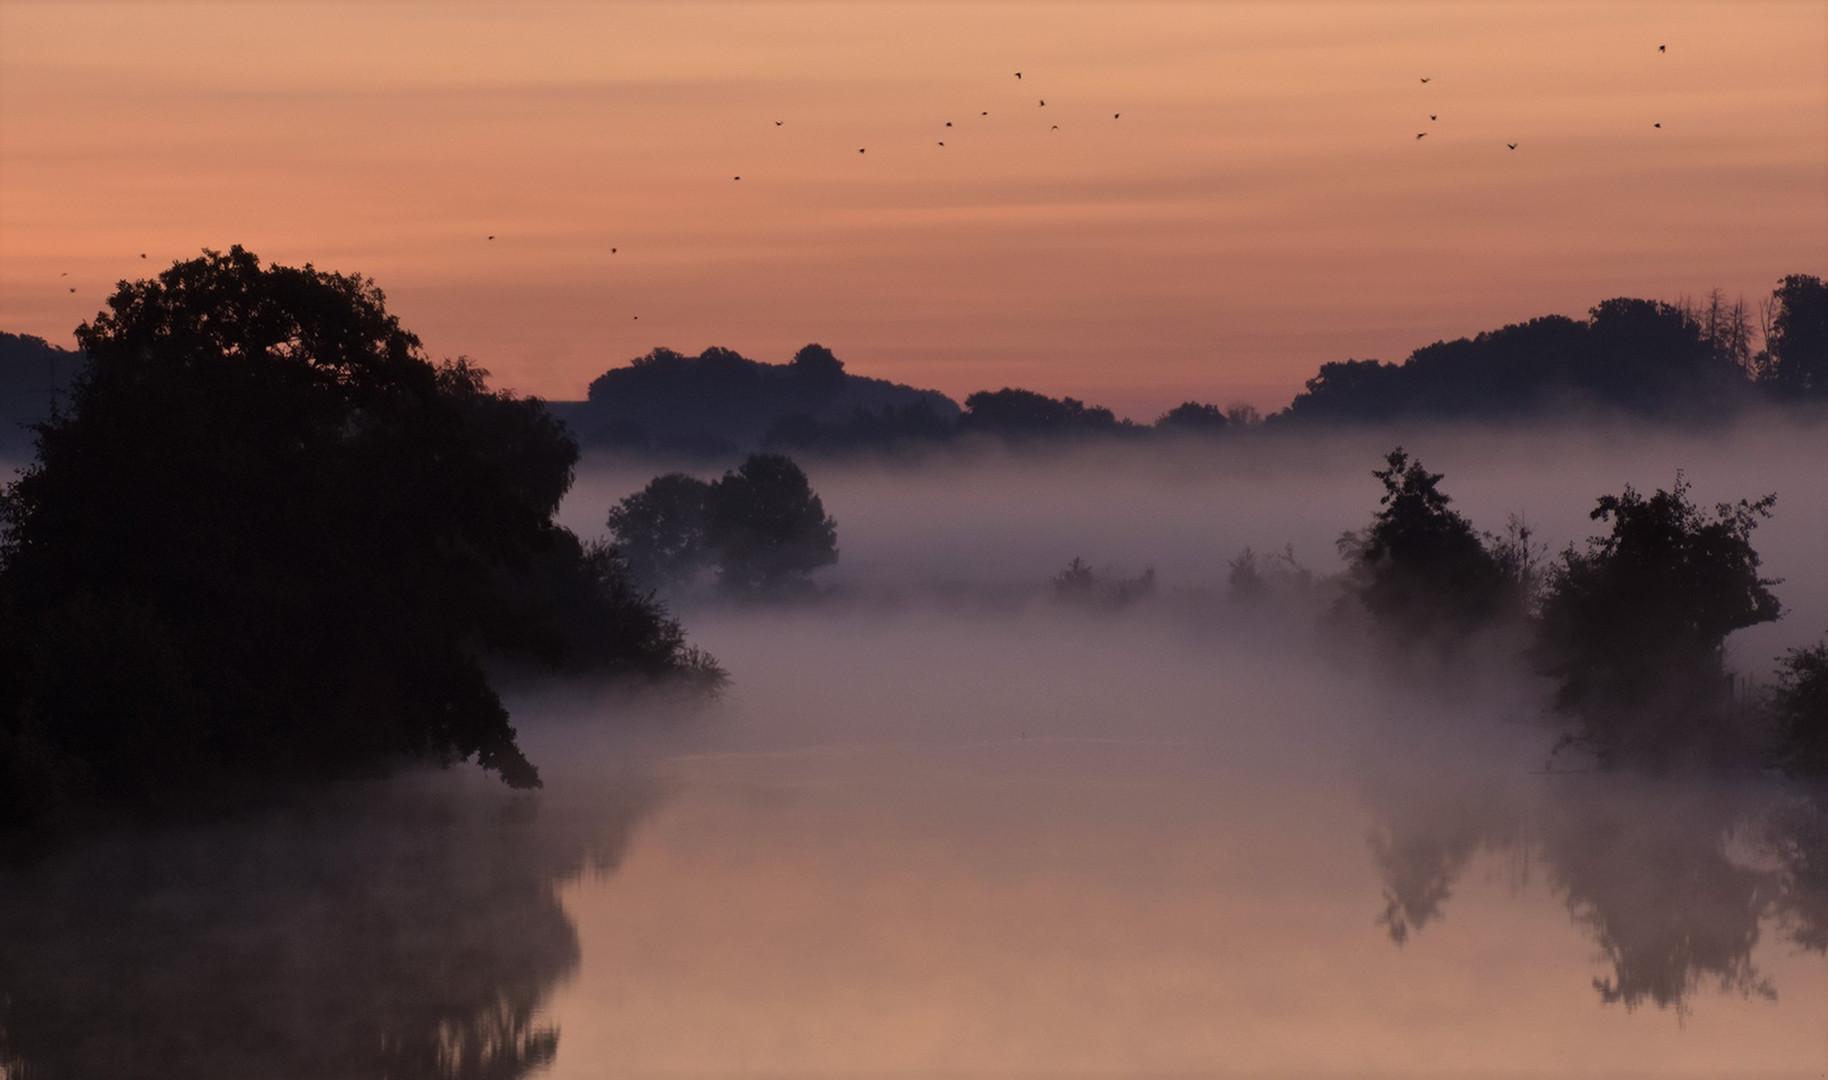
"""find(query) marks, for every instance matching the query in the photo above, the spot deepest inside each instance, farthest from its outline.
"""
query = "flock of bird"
(1042, 103)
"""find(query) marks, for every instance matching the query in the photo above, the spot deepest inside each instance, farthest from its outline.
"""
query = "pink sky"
(1261, 207)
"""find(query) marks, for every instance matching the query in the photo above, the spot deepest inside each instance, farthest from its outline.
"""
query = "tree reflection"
(405, 930)
(1675, 881)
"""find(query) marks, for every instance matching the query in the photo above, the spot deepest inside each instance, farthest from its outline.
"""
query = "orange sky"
(1261, 207)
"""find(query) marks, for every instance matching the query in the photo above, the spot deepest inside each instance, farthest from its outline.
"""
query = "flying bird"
(1512, 145)
(733, 178)
(142, 254)
(66, 273)
(612, 251)
(942, 142)
(778, 123)
(984, 114)
(1656, 125)
(72, 290)
(948, 123)
(1421, 134)
(1662, 48)
(491, 236)
(860, 149)
(1116, 115)
(1424, 78)
(1018, 74)
(1056, 127)
(1044, 101)
(1432, 116)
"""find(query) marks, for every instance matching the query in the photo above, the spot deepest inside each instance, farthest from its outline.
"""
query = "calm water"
(951, 830)
(1019, 844)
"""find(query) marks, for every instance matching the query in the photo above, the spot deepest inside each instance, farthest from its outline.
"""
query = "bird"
(1018, 74)
(1432, 116)
(1662, 48)
(66, 273)
(1116, 115)
(1656, 125)
(1424, 78)
(1421, 134)
(778, 123)
(948, 123)
(612, 251)
(861, 149)
(736, 178)
(942, 142)
(142, 254)
(1056, 127)
(1512, 145)
(491, 236)
(1044, 102)
(637, 318)
(984, 113)
(72, 290)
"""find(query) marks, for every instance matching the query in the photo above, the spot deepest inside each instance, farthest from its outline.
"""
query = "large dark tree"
(1633, 627)
(660, 530)
(269, 538)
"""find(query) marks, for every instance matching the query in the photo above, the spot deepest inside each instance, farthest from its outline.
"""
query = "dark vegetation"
(1682, 363)
(761, 525)
(266, 540)
(1631, 630)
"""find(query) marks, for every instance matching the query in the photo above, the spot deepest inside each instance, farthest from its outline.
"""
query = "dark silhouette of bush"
(1193, 418)
(768, 528)
(1632, 628)
(884, 429)
(1080, 585)
(268, 540)
(1795, 361)
(1800, 706)
(1420, 569)
(34, 375)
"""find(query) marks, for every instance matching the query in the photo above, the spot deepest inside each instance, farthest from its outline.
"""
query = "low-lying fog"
(942, 825)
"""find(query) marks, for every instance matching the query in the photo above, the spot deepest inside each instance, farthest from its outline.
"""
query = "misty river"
(942, 826)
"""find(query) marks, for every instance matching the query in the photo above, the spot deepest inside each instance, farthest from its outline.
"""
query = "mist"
(943, 822)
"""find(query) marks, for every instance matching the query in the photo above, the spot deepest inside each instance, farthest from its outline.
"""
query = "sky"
(1235, 193)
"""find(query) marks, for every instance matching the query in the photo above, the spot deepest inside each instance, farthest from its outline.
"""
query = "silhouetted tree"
(268, 538)
(1632, 628)
(1420, 569)
(768, 528)
(660, 530)
(817, 368)
(1191, 417)
(1801, 707)
(1795, 364)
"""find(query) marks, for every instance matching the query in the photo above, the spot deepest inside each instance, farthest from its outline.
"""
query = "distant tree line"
(1675, 362)
(267, 541)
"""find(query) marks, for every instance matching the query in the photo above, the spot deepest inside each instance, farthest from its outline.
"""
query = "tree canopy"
(268, 537)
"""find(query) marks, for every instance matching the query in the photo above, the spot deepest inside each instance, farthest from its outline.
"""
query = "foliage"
(1801, 707)
(1632, 628)
(768, 527)
(1012, 413)
(269, 539)
(660, 530)
(1795, 361)
(761, 525)
(1420, 569)
(1079, 584)
(1192, 417)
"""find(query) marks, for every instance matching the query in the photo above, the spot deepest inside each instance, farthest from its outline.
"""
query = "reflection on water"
(409, 929)
(1675, 881)
(1010, 847)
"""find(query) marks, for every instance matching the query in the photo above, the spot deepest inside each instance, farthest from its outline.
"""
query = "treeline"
(1682, 362)
(266, 541)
